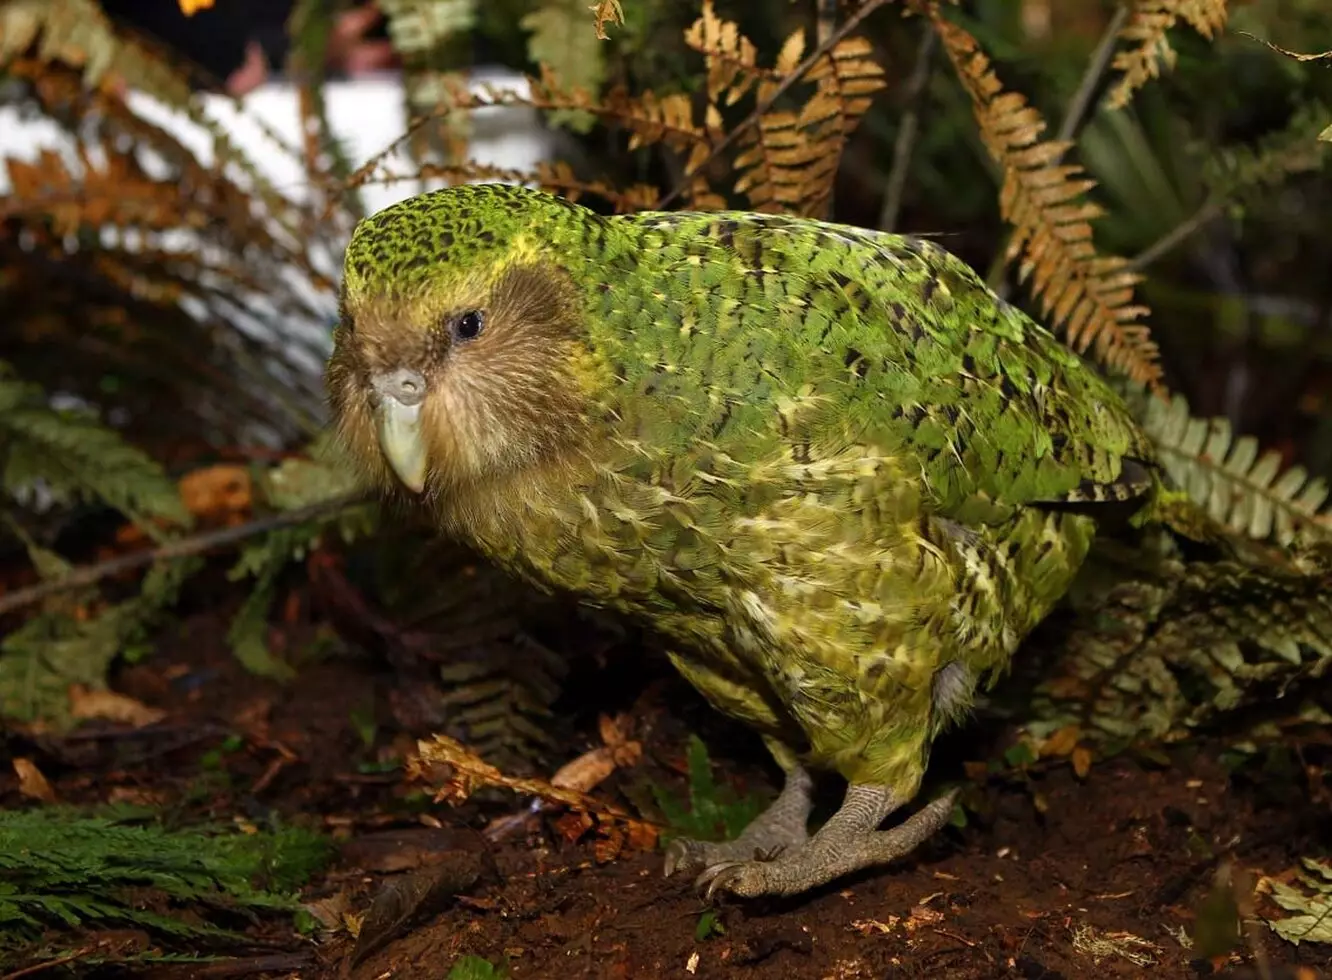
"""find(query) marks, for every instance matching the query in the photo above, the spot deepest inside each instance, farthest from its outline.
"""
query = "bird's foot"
(848, 842)
(780, 827)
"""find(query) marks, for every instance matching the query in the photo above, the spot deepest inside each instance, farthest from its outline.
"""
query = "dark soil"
(1132, 849)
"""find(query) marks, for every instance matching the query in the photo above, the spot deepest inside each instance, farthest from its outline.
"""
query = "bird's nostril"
(402, 384)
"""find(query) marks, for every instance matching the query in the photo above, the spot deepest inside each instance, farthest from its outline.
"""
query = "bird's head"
(460, 354)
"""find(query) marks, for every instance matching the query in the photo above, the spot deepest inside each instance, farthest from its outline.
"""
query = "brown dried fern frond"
(556, 177)
(133, 259)
(1148, 33)
(77, 33)
(789, 159)
(1089, 295)
(648, 118)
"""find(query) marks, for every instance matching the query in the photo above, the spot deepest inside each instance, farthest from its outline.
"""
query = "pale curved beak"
(399, 395)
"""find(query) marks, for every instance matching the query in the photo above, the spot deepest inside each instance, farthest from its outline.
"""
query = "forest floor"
(1055, 876)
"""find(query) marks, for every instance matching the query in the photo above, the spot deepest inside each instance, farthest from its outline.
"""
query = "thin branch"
(195, 544)
(905, 144)
(1091, 78)
(1211, 209)
(752, 119)
(1074, 116)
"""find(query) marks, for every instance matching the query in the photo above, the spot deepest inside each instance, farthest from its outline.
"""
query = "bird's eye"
(469, 325)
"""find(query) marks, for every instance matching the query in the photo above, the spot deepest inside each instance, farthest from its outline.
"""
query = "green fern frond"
(294, 483)
(53, 650)
(1236, 173)
(1238, 485)
(1305, 894)
(75, 457)
(60, 868)
(562, 40)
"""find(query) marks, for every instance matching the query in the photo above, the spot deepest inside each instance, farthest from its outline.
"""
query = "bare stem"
(1091, 78)
(195, 544)
(906, 133)
(800, 71)
(1185, 229)
(1074, 116)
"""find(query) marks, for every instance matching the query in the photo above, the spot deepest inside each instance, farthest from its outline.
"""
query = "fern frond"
(60, 868)
(73, 456)
(1237, 172)
(77, 33)
(649, 119)
(1240, 487)
(1161, 648)
(732, 59)
(180, 274)
(789, 160)
(295, 483)
(557, 177)
(1148, 33)
(1089, 295)
(53, 650)
(606, 12)
(419, 27)
(561, 41)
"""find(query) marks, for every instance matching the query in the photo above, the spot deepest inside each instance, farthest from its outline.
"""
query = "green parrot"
(836, 474)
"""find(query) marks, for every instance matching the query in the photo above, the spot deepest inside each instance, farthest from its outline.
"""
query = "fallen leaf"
(223, 492)
(1061, 742)
(87, 703)
(1082, 760)
(32, 783)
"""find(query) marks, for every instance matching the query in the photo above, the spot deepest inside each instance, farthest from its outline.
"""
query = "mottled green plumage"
(837, 473)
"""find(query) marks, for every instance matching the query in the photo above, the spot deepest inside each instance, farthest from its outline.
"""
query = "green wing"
(876, 339)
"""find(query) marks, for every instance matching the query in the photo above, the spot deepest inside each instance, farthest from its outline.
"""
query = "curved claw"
(723, 876)
(678, 856)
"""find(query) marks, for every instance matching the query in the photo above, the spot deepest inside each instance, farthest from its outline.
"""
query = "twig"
(195, 544)
(825, 25)
(954, 936)
(28, 971)
(906, 135)
(1091, 78)
(1074, 116)
(830, 42)
(1210, 209)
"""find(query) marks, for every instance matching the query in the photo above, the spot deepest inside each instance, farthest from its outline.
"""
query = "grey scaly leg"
(780, 826)
(848, 842)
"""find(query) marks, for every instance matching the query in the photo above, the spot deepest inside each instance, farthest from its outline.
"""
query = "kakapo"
(834, 471)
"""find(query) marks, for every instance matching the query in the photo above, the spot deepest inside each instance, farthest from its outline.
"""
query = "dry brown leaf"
(1088, 295)
(223, 492)
(1148, 31)
(464, 772)
(606, 12)
(87, 703)
(1061, 742)
(788, 161)
(1082, 760)
(32, 783)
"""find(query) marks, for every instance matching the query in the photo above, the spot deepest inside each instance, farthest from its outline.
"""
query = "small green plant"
(713, 811)
(709, 925)
(476, 968)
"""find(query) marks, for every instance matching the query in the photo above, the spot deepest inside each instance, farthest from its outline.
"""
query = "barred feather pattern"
(827, 464)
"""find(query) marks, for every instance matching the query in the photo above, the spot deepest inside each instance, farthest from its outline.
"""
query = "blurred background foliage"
(166, 308)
